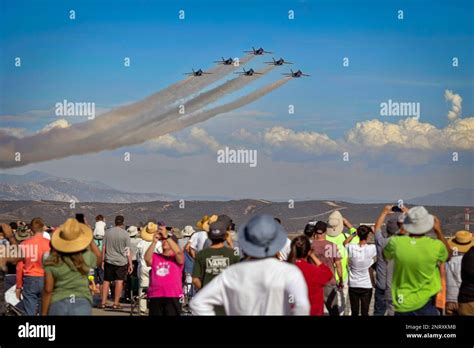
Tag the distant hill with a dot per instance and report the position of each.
(454, 197)
(294, 219)
(41, 186)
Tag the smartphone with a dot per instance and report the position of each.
(169, 228)
(80, 218)
(396, 208)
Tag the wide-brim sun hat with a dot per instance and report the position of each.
(187, 231)
(201, 222)
(418, 221)
(205, 225)
(149, 231)
(262, 237)
(462, 241)
(132, 231)
(335, 224)
(71, 237)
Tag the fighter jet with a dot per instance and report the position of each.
(280, 61)
(249, 72)
(228, 61)
(197, 73)
(257, 52)
(295, 74)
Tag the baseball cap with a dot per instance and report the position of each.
(217, 230)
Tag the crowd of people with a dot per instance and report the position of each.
(333, 268)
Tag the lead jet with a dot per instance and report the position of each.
(249, 72)
(280, 61)
(197, 73)
(295, 74)
(257, 52)
(228, 61)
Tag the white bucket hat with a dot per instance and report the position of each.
(335, 224)
(187, 231)
(418, 221)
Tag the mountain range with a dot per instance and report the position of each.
(38, 185)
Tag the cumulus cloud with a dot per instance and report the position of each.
(456, 101)
(197, 139)
(409, 133)
(309, 142)
(169, 142)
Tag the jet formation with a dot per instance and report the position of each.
(257, 52)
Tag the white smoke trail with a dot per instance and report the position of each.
(197, 103)
(63, 142)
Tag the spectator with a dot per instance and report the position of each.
(143, 272)
(335, 234)
(66, 290)
(383, 275)
(212, 261)
(186, 233)
(117, 261)
(260, 284)
(466, 291)
(285, 251)
(328, 253)
(316, 275)
(165, 290)
(4, 262)
(416, 279)
(29, 270)
(460, 244)
(134, 240)
(361, 258)
(198, 239)
(99, 229)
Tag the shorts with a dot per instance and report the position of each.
(113, 272)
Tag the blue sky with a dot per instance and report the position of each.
(82, 60)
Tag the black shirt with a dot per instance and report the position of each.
(466, 291)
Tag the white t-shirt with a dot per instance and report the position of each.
(197, 240)
(255, 287)
(46, 235)
(285, 251)
(360, 260)
(99, 230)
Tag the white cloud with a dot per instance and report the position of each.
(169, 142)
(196, 139)
(15, 132)
(409, 133)
(200, 136)
(456, 101)
(61, 123)
(309, 142)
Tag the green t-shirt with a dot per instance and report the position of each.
(339, 240)
(211, 262)
(416, 276)
(68, 282)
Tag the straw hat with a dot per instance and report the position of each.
(462, 241)
(205, 225)
(201, 222)
(148, 231)
(71, 237)
(335, 224)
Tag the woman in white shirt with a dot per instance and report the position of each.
(361, 258)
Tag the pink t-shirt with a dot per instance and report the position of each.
(165, 277)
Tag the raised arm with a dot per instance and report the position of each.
(387, 210)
